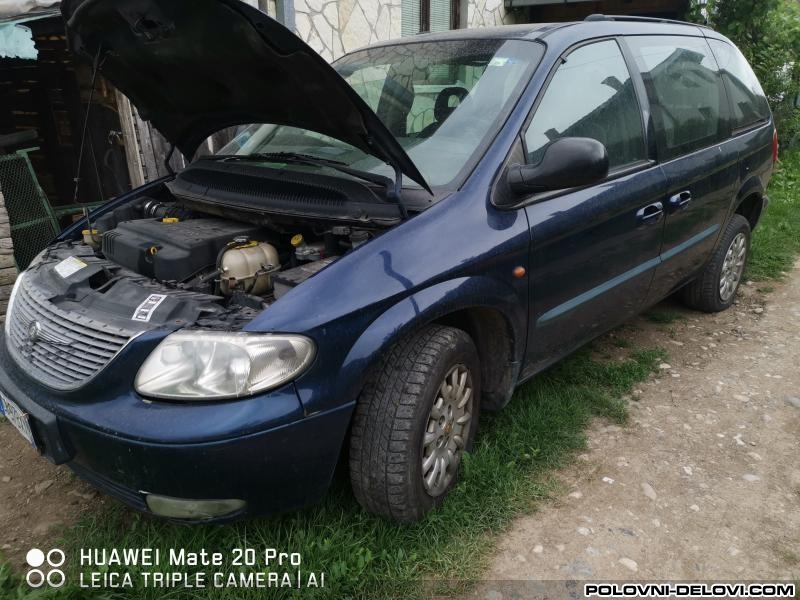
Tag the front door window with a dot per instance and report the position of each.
(591, 95)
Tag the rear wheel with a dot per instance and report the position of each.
(414, 420)
(715, 289)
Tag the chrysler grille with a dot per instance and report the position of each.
(62, 349)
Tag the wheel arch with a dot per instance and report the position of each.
(750, 201)
(494, 338)
(751, 208)
(487, 310)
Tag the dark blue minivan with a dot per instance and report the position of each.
(387, 247)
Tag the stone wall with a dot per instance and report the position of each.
(489, 13)
(334, 27)
(8, 270)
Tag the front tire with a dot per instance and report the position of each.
(715, 289)
(416, 416)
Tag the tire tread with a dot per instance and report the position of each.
(384, 422)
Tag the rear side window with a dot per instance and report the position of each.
(591, 95)
(748, 102)
(685, 91)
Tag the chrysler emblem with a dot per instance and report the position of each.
(34, 332)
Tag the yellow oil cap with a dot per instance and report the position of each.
(170, 220)
(297, 240)
(90, 232)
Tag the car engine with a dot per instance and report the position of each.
(158, 261)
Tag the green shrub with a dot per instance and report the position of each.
(768, 34)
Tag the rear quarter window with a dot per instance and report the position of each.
(748, 103)
(685, 90)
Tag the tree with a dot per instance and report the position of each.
(768, 34)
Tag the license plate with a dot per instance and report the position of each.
(18, 418)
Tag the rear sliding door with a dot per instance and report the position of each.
(690, 115)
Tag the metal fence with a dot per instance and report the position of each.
(33, 222)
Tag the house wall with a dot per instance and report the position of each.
(490, 13)
(334, 27)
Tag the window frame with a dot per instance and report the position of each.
(724, 133)
(644, 115)
(736, 130)
(425, 15)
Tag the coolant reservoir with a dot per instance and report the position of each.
(249, 268)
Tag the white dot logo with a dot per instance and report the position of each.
(35, 558)
(54, 576)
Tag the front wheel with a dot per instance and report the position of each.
(414, 420)
(715, 289)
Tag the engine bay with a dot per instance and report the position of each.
(157, 260)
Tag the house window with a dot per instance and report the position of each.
(421, 16)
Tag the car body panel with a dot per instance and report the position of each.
(691, 232)
(421, 269)
(592, 261)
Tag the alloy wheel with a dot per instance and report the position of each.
(733, 267)
(447, 430)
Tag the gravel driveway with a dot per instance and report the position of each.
(704, 484)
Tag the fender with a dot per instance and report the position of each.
(408, 314)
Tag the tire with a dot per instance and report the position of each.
(395, 411)
(707, 293)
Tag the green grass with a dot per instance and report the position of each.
(776, 240)
(664, 317)
(366, 557)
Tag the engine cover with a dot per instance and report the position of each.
(171, 251)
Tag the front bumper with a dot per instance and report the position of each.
(262, 450)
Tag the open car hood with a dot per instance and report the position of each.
(194, 67)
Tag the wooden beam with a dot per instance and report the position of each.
(129, 138)
(150, 163)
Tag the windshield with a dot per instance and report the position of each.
(443, 101)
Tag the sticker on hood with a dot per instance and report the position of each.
(69, 266)
(145, 310)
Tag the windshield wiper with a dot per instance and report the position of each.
(393, 186)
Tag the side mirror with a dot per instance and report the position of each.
(566, 163)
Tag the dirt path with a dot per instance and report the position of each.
(704, 484)
(37, 499)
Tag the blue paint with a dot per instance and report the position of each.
(684, 246)
(628, 275)
(597, 291)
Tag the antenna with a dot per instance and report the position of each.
(96, 66)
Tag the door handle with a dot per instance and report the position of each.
(680, 200)
(650, 214)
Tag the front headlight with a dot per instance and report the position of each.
(213, 365)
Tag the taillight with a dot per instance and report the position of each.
(775, 146)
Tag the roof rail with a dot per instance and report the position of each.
(601, 17)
